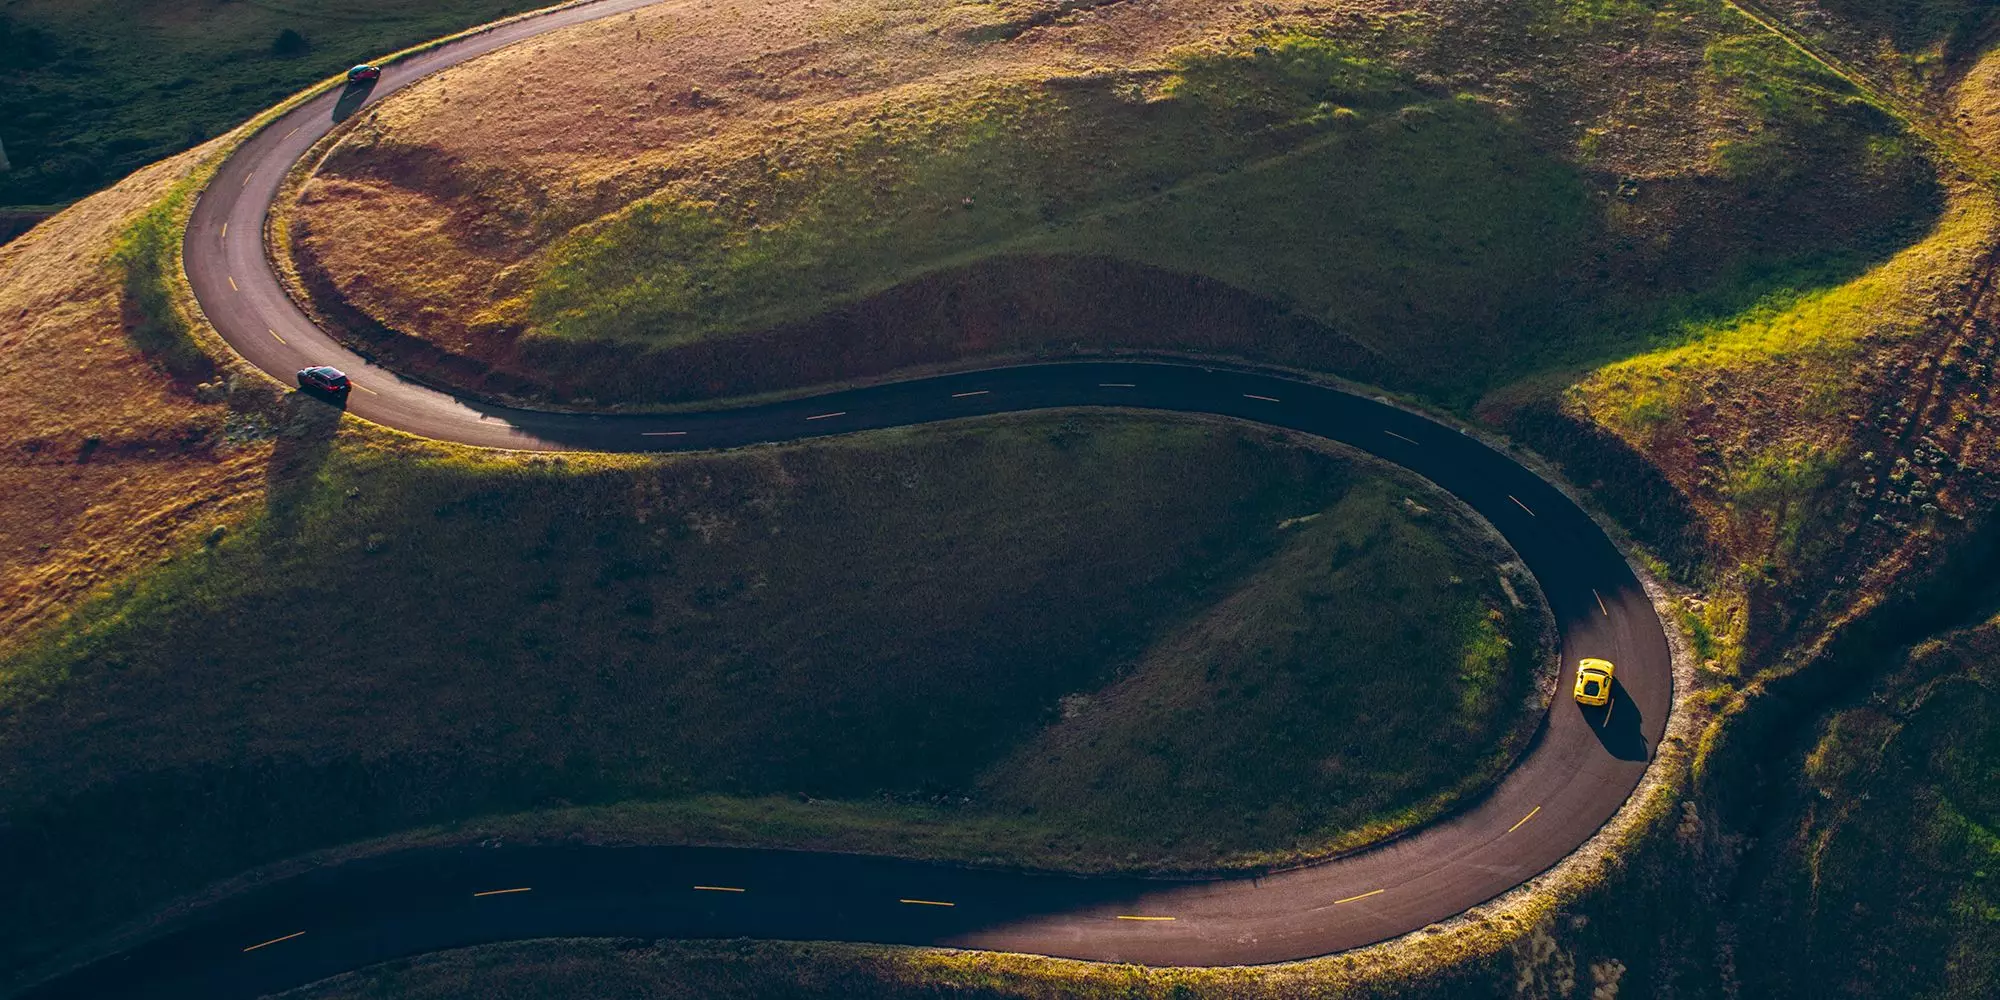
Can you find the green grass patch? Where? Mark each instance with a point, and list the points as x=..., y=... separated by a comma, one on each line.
x=91, y=90
x=1803, y=113
x=905, y=642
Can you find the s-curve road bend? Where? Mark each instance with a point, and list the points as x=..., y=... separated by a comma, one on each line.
x=1581, y=768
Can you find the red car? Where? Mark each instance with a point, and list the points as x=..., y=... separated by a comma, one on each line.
x=364, y=73
x=331, y=381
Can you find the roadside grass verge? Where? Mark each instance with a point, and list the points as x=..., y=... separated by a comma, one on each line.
x=146, y=254
x=672, y=970
x=912, y=626
x=95, y=89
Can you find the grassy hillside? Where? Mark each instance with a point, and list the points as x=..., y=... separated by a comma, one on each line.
x=107, y=459
x=1446, y=200
x=91, y=90
x=1801, y=407
x=919, y=643
x=1823, y=453
x=1899, y=826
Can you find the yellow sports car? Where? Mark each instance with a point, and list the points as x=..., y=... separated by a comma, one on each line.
x=1593, y=681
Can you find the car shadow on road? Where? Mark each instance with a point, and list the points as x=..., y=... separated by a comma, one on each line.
x=351, y=99
x=1619, y=725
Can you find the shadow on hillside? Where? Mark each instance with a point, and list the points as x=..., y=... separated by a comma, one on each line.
x=307, y=425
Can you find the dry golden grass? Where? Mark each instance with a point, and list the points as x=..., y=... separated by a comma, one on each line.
x=483, y=164
x=104, y=460
x=464, y=214
x=1977, y=107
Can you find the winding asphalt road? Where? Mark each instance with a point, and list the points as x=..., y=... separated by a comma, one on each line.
x=1581, y=768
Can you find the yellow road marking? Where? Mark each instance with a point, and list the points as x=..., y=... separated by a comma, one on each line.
x=1524, y=819
x=1600, y=603
x=275, y=940
x=246, y=178
x=1129, y=917
x=661, y=434
x=1117, y=385
x=1267, y=399
x=1518, y=503
x=1608, y=707
x=363, y=388
x=232, y=285
x=823, y=416
x=1399, y=437
x=924, y=902
x=225, y=230
x=962, y=395
x=504, y=892
x=1364, y=895
x=719, y=888
x=274, y=334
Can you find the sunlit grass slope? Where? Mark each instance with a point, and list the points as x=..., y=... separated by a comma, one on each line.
x=1445, y=199
x=1828, y=437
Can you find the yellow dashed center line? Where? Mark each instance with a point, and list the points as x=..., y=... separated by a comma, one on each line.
x=246, y=178
x=1524, y=819
x=275, y=940
x=504, y=892
x=1600, y=603
x=977, y=392
x=1518, y=503
x=232, y=284
x=363, y=388
x=1267, y=399
x=925, y=902
x=274, y=335
x=1364, y=895
x=1609, y=706
x=718, y=888
x=225, y=230
x=1125, y=916
x=823, y=416
x=1399, y=437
